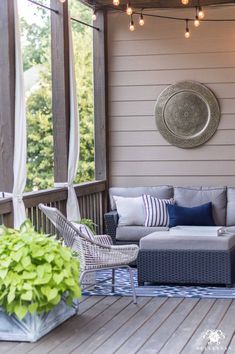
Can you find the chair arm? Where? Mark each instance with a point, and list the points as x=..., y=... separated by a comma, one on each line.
x=111, y=223
x=104, y=240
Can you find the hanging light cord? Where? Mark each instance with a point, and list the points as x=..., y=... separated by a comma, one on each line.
x=171, y=17
x=55, y=11
x=43, y=6
x=84, y=23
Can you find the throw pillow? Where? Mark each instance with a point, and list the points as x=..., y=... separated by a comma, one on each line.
x=156, y=213
x=130, y=210
x=85, y=230
x=200, y=215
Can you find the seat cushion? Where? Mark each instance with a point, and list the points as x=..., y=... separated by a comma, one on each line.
x=161, y=192
x=194, y=196
x=135, y=233
x=188, y=239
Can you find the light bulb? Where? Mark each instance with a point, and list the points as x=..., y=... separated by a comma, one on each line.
x=62, y=1
x=201, y=13
x=94, y=17
x=132, y=26
x=185, y=2
x=129, y=10
x=141, y=20
x=116, y=2
x=196, y=22
x=187, y=33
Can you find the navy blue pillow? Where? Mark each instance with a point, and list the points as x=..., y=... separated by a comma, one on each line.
x=200, y=215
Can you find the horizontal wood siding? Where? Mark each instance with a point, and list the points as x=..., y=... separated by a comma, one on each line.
x=141, y=65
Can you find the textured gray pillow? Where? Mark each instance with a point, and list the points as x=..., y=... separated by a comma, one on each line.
x=230, y=206
x=130, y=210
x=195, y=196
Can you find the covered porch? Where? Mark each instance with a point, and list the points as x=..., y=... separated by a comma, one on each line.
x=131, y=67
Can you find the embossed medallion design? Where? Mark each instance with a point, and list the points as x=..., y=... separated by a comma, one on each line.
x=187, y=114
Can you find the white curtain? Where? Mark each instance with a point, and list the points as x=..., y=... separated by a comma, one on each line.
x=73, y=212
x=19, y=163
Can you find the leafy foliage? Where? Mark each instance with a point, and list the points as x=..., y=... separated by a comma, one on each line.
x=36, y=54
x=90, y=223
x=35, y=271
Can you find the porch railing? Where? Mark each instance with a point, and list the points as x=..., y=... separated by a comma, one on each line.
x=91, y=198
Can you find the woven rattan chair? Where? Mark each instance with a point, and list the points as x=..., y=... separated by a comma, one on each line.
x=93, y=255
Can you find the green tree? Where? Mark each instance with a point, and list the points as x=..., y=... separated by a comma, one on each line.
x=36, y=52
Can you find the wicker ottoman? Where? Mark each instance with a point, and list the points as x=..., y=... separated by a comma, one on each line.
x=188, y=257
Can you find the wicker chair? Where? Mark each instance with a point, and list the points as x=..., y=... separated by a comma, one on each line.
x=93, y=255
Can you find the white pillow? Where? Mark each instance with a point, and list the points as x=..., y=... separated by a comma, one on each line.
x=130, y=211
x=85, y=230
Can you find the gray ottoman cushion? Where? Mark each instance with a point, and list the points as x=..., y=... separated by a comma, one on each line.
x=162, y=192
x=194, y=196
x=187, y=240
x=135, y=233
x=230, y=206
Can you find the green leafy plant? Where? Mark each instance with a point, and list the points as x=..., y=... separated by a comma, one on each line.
x=90, y=223
x=35, y=271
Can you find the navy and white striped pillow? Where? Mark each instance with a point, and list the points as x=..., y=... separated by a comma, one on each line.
x=156, y=213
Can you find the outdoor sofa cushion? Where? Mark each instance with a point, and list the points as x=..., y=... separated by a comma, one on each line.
x=188, y=238
x=130, y=210
x=193, y=196
x=200, y=215
x=135, y=233
x=230, y=219
x=161, y=192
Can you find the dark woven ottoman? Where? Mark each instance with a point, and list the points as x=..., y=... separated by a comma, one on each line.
x=190, y=258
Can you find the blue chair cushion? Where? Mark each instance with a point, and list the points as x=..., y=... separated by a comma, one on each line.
x=200, y=215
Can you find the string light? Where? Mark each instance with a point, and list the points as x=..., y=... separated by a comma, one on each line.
x=201, y=13
x=187, y=33
x=129, y=10
x=94, y=16
x=196, y=21
x=132, y=26
x=141, y=19
x=116, y=2
x=185, y=2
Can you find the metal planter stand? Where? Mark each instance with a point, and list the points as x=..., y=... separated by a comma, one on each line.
x=35, y=326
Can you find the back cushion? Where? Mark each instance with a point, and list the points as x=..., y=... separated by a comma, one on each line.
x=230, y=206
x=161, y=192
x=195, y=196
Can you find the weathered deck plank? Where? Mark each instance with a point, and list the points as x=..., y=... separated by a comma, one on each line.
x=110, y=325
x=156, y=333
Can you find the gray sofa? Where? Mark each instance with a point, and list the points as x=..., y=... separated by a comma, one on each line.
x=163, y=259
x=222, y=198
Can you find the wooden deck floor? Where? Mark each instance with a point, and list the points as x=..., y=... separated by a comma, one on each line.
x=108, y=325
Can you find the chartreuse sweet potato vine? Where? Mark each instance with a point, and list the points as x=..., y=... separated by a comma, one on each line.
x=35, y=271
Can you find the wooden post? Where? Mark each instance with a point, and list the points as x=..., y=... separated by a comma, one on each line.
x=60, y=88
x=100, y=96
x=7, y=94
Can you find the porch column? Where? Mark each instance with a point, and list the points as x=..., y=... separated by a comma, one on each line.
x=60, y=88
x=100, y=96
x=7, y=94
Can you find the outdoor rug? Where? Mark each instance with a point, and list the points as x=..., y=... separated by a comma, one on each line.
x=122, y=276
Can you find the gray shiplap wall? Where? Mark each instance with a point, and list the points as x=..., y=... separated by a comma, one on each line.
x=141, y=65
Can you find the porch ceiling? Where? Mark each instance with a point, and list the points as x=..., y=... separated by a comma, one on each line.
x=155, y=3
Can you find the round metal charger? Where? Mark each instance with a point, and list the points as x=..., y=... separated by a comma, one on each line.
x=187, y=114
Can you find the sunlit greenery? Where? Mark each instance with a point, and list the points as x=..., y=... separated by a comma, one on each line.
x=37, y=56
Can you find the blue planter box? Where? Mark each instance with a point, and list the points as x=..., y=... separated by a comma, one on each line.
x=35, y=326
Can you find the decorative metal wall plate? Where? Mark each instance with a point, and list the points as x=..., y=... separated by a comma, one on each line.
x=187, y=114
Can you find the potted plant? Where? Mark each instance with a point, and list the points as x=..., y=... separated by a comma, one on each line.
x=38, y=283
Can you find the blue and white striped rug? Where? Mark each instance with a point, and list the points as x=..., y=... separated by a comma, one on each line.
x=122, y=276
